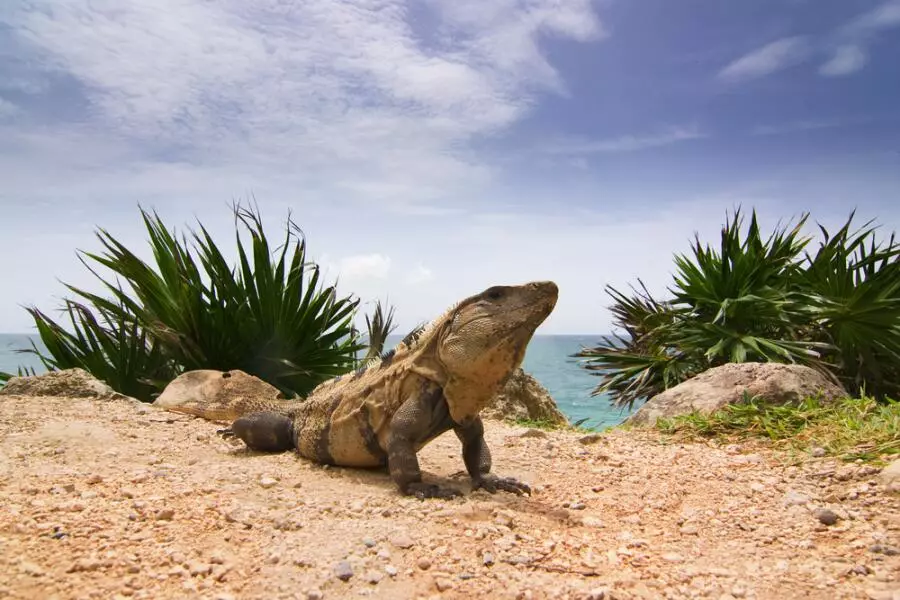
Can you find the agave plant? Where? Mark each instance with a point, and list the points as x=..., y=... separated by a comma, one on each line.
x=759, y=299
x=379, y=326
x=269, y=315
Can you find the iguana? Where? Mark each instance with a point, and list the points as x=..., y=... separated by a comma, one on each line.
x=437, y=379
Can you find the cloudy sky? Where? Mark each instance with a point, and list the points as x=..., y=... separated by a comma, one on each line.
x=431, y=148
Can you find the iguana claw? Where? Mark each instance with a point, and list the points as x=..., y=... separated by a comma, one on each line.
x=430, y=490
x=492, y=484
x=226, y=433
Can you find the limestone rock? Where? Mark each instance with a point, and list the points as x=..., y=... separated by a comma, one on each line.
x=890, y=476
x=524, y=398
x=67, y=383
x=713, y=389
x=211, y=387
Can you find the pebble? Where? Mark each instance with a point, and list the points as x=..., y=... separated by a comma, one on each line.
x=343, y=570
x=368, y=542
x=443, y=584
x=487, y=558
x=402, y=540
x=826, y=516
x=592, y=438
x=314, y=594
x=267, y=482
x=391, y=570
x=94, y=479
x=424, y=563
x=373, y=577
x=818, y=452
x=577, y=506
x=795, y=498
x=166, y=514
x=884, y=549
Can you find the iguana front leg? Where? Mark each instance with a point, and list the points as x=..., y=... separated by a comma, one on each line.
x=416, y=421
x=477, y=457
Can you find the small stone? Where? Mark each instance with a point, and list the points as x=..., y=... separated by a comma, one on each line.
x=884, y=549
x=314, y=594
x=577, y=506
x=94, y=479
x=343, y=570
x=443, y=584
x=757, y=487
x=826, y=516
x=424, y=563
x=795, y=498
x=487, y=559
x=533, y=433
x=672, y=557
x=592, y=438
x=166, y=514
x=267, y=482
x=818, y=452
x=29, y=568
x=402, y=540
x=368, y=542
x=391, y=570
x=373, y=577
x=598, y=594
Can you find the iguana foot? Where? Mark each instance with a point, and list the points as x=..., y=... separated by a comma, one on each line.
x=430, y=490
x=492, y=483
x=226, y=433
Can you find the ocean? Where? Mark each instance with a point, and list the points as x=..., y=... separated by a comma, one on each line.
x=547, y=359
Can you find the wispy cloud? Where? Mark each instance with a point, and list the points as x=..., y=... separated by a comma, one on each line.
x=846, y=48
x=627, y=143
x=343, y=90
x=845, y=60
x=808, y=125
x=7, y=109
x=774, y=56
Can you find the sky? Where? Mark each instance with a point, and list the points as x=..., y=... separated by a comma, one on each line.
x=432, y=148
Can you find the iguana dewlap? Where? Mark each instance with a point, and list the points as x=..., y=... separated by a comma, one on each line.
x=437, y=379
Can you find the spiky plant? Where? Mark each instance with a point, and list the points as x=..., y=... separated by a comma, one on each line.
x=760, y=299
x=269, y=315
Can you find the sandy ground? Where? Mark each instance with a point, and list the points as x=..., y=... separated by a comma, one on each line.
x=115, y=500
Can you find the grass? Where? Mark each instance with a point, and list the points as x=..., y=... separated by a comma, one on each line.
x=849, y=429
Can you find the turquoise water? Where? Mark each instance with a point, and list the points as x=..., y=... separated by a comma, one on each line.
x=547, y=359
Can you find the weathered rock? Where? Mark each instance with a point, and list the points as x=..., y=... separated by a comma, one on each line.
x=524, y=397
x=890, y=476
x=210, y=386
x=68, y=383
x=713, y=389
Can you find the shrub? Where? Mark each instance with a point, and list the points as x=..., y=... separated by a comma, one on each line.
x=761, y=299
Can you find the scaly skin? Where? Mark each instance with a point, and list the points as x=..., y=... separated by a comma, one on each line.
x=437, y=379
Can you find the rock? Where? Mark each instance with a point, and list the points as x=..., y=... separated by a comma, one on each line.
x=890, y=476
x=826, y=516
x=487, y=559
x=443, y=584
x=423, y=563
x=68, y=383
x=267, y=482
x=166, y=514
x=524, y=398
x=209, y=386
x=795, y=498
x=591, y=438
x=717, y=387
x=343, y=570
x=402, y=541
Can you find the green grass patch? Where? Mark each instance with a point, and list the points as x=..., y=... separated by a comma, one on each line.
x=538, y=424
x=850, y=429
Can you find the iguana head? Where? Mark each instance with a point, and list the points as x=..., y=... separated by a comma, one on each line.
x=483, y=340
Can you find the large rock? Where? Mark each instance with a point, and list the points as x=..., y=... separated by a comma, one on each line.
x=210, y=388
x=524, y=398
x=67, y=383
x=890, y=476
x=713, y=389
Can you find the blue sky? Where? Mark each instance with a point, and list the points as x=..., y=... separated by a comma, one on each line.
x=430, y=149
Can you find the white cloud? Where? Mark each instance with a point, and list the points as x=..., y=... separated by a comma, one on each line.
x=628, y=143
x=808, y=125
x=772, y=57
x=364, y=266
x=347, y=90
x=7, y=109
x=419, y=274
x=845, y=60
